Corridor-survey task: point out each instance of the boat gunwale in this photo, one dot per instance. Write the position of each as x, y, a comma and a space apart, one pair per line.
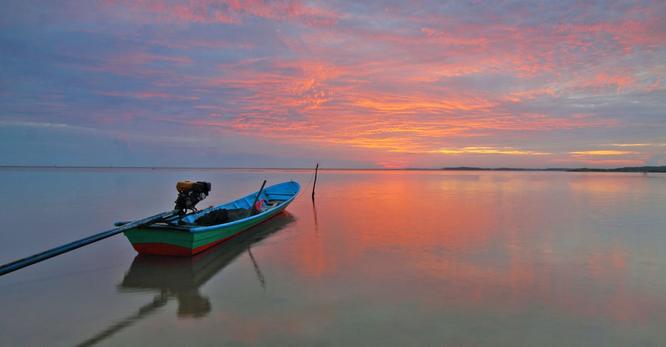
197, 229
275, 209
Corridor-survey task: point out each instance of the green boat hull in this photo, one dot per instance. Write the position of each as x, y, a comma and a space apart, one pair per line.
192, 239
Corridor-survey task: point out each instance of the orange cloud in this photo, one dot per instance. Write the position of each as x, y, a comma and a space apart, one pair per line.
630, 144
602, 152
415, 104
488, 150
638, 144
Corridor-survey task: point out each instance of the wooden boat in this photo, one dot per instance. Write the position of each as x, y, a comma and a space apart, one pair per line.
195, 232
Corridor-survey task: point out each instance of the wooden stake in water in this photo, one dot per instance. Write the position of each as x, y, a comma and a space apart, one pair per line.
315, 181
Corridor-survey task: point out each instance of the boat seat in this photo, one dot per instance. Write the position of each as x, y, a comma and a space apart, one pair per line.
222, 216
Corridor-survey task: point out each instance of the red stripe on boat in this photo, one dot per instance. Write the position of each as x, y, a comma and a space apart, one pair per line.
168, 249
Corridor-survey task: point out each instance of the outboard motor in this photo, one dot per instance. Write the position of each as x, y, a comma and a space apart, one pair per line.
189, 195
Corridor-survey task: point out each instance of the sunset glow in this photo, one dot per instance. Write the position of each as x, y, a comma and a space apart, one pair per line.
290, 83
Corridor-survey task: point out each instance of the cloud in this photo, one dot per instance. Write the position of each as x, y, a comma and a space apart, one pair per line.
638, 144
606, 152
225, 12
148, 95
395, 82
488, 150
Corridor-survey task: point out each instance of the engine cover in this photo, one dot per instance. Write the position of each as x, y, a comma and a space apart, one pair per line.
189, 195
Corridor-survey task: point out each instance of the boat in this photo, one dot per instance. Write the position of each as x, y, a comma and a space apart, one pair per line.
189, 234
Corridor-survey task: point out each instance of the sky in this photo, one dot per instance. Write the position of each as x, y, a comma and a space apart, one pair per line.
353, 84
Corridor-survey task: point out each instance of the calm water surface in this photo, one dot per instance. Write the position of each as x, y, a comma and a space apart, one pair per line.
383, 258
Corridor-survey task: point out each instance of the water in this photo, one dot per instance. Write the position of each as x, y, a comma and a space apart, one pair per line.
392, 258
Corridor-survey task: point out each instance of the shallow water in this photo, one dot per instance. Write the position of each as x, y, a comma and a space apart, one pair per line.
382, 258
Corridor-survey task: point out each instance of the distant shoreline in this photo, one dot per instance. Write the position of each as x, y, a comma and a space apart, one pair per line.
584, 169
639, 169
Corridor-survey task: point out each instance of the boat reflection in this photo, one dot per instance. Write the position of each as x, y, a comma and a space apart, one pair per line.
181, 277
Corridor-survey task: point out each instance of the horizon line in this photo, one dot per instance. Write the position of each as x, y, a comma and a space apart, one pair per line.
450, 168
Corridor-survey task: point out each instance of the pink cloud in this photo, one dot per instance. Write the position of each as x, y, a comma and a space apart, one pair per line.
227, 12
